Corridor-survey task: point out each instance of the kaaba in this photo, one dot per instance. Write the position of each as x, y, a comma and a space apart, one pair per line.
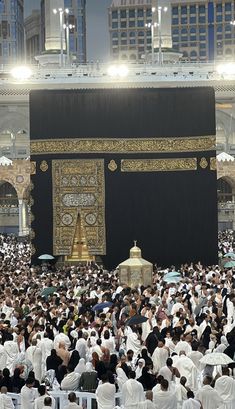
128, 164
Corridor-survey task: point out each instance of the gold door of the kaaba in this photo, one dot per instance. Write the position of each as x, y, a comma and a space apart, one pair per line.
78, 195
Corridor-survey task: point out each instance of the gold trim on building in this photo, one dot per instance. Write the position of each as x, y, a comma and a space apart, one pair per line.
32, 168
122, 145
112, 165
158, 165
203, 163
213, 164
44, 166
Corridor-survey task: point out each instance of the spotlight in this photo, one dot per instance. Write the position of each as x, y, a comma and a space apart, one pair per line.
228, 68
21, 73
118, 71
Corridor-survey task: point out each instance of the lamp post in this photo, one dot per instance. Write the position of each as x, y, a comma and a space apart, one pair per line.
152, 25
68, 27
61, 13
160, 9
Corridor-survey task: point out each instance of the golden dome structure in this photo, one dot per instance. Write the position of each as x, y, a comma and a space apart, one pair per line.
136, 271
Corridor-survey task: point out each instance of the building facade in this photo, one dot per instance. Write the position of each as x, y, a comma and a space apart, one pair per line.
11, 31
202, 29
77, 35
32, 26
129, 35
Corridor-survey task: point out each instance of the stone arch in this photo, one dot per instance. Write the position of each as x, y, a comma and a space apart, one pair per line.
225, 189
7, 188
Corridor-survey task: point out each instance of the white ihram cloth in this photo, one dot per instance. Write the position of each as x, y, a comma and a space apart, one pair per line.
225, 386
81, 366
191, 404
183, 346
121, 378
34, 355
70, 382
39, 402
133, 343
132, 394
3, 357
159, 358
209, 397
28, 396
164, 399
187, 368
6, 402
12, 351
105, 395
195, 356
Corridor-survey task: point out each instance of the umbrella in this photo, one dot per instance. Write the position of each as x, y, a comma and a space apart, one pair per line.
230, 264
216, 358
48, 291
136, 319
173, 280
102, 305
172, 274
46, 257
231, 255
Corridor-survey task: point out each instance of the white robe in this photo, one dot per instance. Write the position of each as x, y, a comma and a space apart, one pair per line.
132, 394
3, 357
133, 343
208, 397
105, 395
187, 368
70, 382
34, 355
12, 352
39, 402
61, 337
6, 402
121, 378
164, 399
191, 404
225, 386
159, 358
195, 356
28, 396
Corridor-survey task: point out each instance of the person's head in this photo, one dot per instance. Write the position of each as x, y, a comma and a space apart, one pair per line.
183, 380
4, 390
141, 363
72, 397
225, 370
105, 378
169, 362
132, 375
149, 395
207, 380
42, 390
190, 395
48, 401
6, 373
106, 334
29, 382
17, 372
164, 385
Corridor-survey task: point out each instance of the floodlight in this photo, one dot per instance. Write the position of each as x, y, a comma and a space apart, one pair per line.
21, 73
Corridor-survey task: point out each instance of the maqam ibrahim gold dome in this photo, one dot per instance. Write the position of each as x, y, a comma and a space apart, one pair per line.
135, 252
135, 270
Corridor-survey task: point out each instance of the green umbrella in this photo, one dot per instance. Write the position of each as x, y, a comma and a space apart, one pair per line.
230, 264
48, 291
230, 255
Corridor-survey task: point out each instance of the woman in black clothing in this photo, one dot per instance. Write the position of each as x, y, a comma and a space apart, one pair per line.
113, 363
17, 381
74, 359
53, 361
6, 380
147, 379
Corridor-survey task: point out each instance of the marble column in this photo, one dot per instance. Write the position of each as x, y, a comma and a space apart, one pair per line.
52, 25
23, 218
166, 38
20, 218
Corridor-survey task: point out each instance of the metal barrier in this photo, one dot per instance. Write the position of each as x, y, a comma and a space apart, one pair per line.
61, 397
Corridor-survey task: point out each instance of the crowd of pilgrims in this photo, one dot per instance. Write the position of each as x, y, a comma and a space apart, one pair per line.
59, 341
